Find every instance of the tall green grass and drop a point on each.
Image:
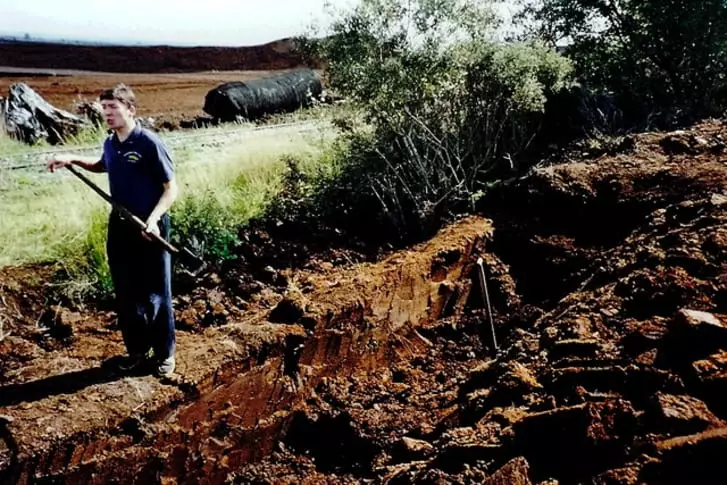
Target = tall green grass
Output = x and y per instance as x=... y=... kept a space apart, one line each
x=218 y=196
x=56 y=218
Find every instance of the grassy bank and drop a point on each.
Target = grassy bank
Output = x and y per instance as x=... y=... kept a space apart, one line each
x=54 y=217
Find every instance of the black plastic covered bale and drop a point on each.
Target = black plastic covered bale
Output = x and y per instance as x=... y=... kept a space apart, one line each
x=253 y=99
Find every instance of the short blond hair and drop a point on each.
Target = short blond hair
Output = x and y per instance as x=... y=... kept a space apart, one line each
x=121 y=93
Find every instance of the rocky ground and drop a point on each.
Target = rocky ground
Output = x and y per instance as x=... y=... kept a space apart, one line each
x=607 y=277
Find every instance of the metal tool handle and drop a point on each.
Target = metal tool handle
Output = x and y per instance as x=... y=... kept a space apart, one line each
x=123 y=211
x=156 y=237
x=486 y=298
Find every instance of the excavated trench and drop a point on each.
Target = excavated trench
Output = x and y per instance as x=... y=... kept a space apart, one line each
x=241 y=383
x=608 y=284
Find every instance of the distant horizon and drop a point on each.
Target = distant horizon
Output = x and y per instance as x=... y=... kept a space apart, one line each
x=22 y=37
x=183 y=23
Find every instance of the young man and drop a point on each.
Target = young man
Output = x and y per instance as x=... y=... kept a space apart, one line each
x=141 y=178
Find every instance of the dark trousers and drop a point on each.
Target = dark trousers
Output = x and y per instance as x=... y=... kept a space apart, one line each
x=141 y=273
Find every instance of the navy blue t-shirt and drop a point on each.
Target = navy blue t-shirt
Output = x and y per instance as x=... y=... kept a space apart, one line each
x=137 y=169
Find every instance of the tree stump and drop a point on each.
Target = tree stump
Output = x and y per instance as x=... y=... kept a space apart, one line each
x=30 y=118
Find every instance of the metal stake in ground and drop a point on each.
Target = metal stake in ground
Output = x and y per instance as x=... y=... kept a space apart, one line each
x=195 y=264
x=486 y=299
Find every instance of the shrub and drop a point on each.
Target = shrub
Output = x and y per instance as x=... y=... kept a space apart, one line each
x=665 y=60
x=446 y=110
x=205 y=224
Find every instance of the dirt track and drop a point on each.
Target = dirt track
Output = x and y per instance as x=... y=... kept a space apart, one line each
x=608 y=278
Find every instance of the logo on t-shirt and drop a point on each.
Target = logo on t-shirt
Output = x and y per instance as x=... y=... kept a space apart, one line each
x=132 y=157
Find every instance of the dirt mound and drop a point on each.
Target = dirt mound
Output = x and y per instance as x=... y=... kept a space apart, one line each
x=608 y=282
x=611 y=368
x=68 y=416
x=275 y=55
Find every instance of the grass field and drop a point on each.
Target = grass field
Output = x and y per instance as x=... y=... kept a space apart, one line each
x=48 y=217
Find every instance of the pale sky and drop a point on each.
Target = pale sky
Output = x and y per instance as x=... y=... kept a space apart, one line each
x=185 y=22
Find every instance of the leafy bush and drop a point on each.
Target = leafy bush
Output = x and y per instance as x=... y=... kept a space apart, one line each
x=444 y=110
x=205 y=224
x=664 y=59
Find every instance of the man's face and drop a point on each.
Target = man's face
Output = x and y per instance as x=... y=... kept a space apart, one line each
x=117 y=114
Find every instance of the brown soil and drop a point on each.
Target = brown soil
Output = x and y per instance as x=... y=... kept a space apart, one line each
x=165 y=97
x=608 y=281
x=170 y=82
